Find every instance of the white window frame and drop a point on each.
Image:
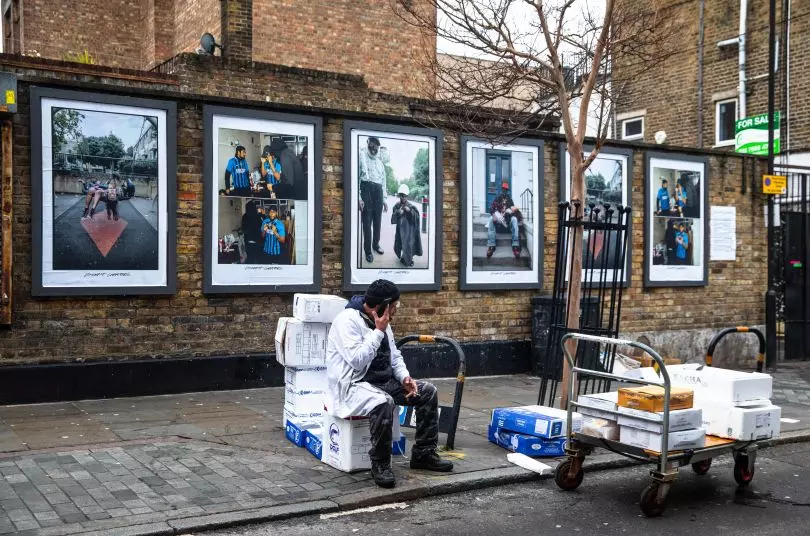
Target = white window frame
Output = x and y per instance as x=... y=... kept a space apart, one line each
x=717 y=104
x=634 y=136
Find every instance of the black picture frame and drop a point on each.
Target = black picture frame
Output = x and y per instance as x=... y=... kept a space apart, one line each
x=351 y=224
x=315 y=153
x=123 y=287
x=564 y=178
x=649 y=188
x=466 y=219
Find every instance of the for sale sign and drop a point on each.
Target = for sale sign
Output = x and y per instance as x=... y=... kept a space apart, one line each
x=751 y=135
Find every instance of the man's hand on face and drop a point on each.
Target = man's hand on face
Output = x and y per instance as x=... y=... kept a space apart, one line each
x=411 y=389
x=381 y=322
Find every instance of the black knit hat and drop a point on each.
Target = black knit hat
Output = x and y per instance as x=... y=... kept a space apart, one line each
x=380 y=291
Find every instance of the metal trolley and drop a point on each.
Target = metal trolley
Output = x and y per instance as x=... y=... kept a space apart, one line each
x=569 y=473
x=448 y=415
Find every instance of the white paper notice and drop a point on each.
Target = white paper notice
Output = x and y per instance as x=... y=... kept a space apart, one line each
x=723 y=235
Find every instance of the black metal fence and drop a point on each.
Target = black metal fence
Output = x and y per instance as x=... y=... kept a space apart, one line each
x=605 y=236
x=788 y=254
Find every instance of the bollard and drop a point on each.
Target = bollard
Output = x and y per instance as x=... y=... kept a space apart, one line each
x=770 y=329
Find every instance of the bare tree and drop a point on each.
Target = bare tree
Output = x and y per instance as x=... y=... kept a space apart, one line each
x=527 y=60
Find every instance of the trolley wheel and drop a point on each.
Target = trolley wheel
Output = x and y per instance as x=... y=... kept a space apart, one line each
x=650 y=504
x=742 y=474
x=562 y=478
x=701 y=468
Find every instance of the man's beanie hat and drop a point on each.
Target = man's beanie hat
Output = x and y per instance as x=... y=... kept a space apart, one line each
x=379 y=291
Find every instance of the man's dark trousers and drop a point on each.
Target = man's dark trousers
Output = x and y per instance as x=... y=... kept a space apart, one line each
x=427 y=420
x=372 y=196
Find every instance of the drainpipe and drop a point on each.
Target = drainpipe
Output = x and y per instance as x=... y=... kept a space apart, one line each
x=787 y=80
x=700 y=77
x=740 y=42
x=743 y=29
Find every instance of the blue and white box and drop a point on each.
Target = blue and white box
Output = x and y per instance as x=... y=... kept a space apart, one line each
x=539 y=421
x=313 y=442
x=526 y=444
x=295 y=431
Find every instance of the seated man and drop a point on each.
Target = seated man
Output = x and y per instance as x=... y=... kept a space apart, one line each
x=367 y=377
x=504 y=213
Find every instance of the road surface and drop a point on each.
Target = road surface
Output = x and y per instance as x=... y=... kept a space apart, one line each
x=776 y=503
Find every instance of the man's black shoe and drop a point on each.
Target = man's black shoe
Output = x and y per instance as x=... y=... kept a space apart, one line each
x=369 y=257
x=431 y=462
x=383 y=476
x=379 y=250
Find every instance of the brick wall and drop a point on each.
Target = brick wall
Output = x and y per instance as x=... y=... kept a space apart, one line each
x=237 y=29
x=669 y=91
x=112 y=31
x=192 y=19
x=192 y=324
x=366 y=38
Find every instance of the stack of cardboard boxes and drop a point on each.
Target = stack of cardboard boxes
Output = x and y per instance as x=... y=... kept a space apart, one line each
x=301 y=349
x=641 y=418
x=532 y=430
x=704 y=401
x=736 y=405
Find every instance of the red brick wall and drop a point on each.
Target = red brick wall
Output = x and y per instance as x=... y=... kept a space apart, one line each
x=114 y=32
x=669 y=91
x=347 y=36
x=193 y=324
x=192 y=19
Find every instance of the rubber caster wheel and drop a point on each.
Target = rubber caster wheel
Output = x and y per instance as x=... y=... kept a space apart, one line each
x=564 y=480
x=701 y=468
x=650 y=504
x=742 y=474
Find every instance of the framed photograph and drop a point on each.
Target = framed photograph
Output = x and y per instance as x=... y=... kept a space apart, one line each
x=262 y=201
x=608 y=180
x=103 y=181
x=502 y=214
x=676 y=230
x=393 y=206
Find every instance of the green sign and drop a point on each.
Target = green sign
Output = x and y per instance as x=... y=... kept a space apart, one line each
x=752 y=135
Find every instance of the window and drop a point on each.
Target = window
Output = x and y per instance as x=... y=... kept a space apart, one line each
x=633 y=129
x=725 y=116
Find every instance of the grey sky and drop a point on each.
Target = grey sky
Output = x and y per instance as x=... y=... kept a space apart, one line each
x=127 y=127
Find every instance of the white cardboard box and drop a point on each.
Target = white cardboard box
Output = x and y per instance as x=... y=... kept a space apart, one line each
x=301 y=415
x=322 y=308
x=346 y=444
x=301 y=379
x=682 y=419
x=682 y=440
x=304 y=401
x=748 y=424
x=603 y=401
x=603 y=428
x=598 y=413
x=714 y=386
x=301 y=344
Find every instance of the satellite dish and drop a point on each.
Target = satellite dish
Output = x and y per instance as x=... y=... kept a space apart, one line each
x=660 y=137
x=208 y=44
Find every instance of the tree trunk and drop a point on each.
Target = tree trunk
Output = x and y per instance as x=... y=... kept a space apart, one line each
x=575 y=277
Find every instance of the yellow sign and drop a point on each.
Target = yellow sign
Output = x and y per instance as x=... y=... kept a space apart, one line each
x=10 y=97
x=774 y=184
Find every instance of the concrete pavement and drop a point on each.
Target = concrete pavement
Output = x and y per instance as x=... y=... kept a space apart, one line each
x=171 y=464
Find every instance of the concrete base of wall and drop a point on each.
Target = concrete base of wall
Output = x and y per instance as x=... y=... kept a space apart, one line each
x=26 y=384
x=737 y=350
